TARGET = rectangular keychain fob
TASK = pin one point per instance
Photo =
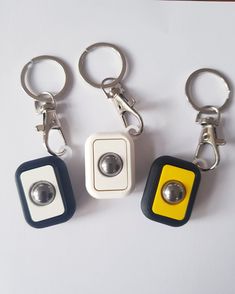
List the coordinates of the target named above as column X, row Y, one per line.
column 170, row 191
column 45, row 191
column 109, row 165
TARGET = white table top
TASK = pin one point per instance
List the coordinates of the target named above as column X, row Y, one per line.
column 109, row 246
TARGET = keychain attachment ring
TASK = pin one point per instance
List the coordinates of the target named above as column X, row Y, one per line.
column 192, row 78
column 81, row 65
column 30, row 64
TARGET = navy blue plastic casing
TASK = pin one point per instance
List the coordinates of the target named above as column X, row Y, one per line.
column 64, row 184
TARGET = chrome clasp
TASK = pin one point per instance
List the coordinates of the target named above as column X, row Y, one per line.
column 114, row 91
column 209, row 123
column 132, row 120
column 50, row 122
column 45, row 104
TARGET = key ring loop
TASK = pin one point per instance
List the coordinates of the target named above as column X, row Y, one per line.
column 81, row 65
column 194, row 75
column 30, row 64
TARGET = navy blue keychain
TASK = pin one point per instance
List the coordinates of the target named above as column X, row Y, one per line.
column 43, row 184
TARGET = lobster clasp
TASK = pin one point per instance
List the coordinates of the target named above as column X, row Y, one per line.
column 50, row 123
column 132, row 120
column 208, row 136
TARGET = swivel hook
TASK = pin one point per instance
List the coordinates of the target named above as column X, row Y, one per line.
column 50, row 122
column 125, row 107
column 209, row 135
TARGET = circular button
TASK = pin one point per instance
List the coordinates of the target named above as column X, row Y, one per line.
column 42, row 193
column 110, row 164
column 173, row 192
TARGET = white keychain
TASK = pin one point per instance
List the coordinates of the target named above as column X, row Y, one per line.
column 110, row 157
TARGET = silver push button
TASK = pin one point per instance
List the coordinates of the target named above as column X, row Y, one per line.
column 110, row 164
column 42, row 193
column 173, row 192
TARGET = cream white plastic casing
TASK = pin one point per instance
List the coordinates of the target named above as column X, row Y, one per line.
column 103, row 187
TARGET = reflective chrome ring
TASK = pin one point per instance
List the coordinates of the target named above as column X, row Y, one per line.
column 194, row 75
column 24, row 73
column 81, row 66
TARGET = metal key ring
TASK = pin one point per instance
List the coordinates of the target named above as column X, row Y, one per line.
column 30, row 64
column 194, row 75
column 81, row 65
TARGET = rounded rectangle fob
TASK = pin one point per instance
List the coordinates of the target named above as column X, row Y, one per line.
column 170, row 191
column 109, row 165
column 45, row 191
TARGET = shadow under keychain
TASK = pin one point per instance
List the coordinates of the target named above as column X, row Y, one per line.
column 43, row 184
column 172, row 183
column 109, row 157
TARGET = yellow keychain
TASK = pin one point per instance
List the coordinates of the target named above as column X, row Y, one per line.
column 172, row 183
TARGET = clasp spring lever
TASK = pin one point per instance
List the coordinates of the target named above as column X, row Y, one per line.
column 50, row 122
column 209, row 124
column 125, row 107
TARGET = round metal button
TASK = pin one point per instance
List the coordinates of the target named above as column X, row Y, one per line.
column 42, row 193
column 173, row 192
column 110, row 164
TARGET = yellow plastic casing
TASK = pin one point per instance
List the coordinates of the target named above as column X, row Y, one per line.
column 163, row 170
column 160, row 206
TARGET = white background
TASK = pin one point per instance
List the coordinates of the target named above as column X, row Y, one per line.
column 109, row 246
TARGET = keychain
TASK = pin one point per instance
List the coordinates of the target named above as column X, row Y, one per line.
column 43, row 184
column 109, row 157
column 172, row 183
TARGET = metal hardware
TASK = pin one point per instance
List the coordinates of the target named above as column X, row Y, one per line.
column 81, row 65
column 209, row 124
column 173, row 192
column 110, row 164
column 29, row 65
column 209, row 118
column 50, row 122
column 125, row 108
column 42, row 193
column 123, row 104
column 45, row 104
column 194, row 75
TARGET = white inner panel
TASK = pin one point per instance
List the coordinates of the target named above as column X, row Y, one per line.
column 118, row 182
column 43, row 173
